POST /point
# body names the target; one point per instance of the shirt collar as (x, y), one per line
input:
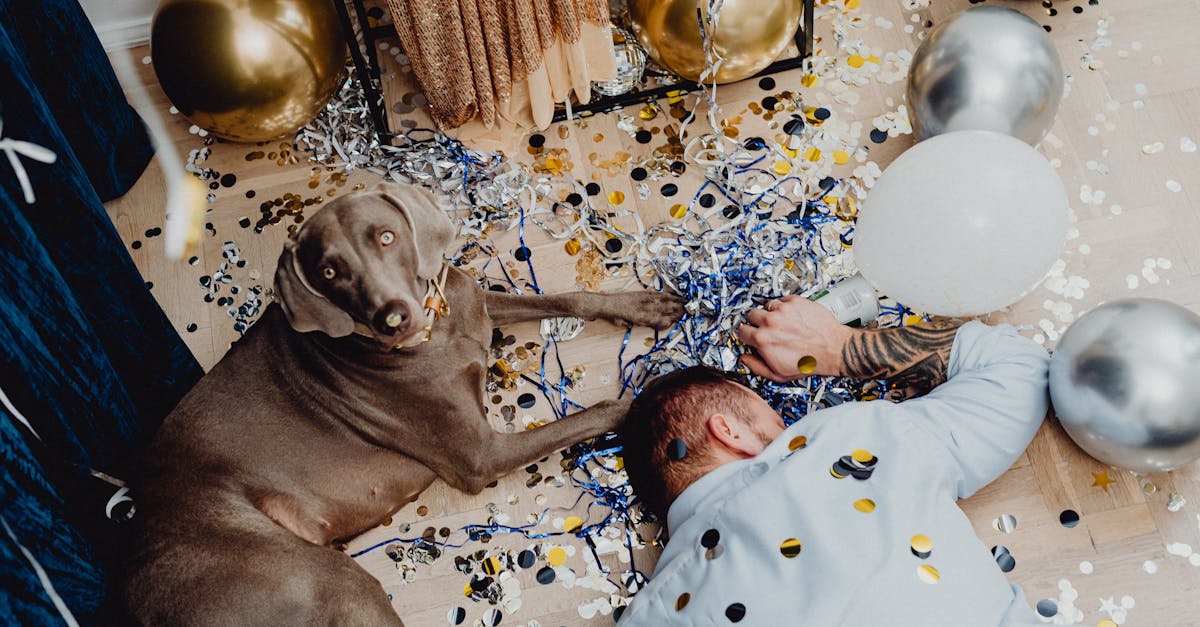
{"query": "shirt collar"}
(694, 495)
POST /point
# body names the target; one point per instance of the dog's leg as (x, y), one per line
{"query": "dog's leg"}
(656, 310)
(507, 451)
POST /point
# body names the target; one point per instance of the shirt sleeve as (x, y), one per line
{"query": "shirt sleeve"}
(991, 405)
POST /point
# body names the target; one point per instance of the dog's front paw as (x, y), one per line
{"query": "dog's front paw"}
(657, 310)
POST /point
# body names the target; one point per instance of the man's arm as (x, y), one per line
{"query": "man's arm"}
(913, 358)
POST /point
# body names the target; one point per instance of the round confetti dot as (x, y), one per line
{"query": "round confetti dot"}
(537, 140)
(809, 80)
(244, 223)
(707, 200)
(572, 524)
(1068, 518)
(921, 546)
(682, 601)
(545, 575)
(865, 506)
(572, 247)
(1106, 623)
(766, 82)
(613, 245)
(797, 443)
(678, 211)
(812, 153)
(841, 157)
(769, 103)
(492, 617)
(928, 574)
(1004, 559)
(735, 612)
(526, 400)
(1047, 608)
(491, 565)
(228, 180)
(731, 211)
(676, 449)
(861, 455)
(575, 199)
(643, 136)
(1086, 567)
(821, 114)
(521, 254)
(1150, 566)
(526, 559)
(670, 189)
(136, 244)
(715, 552)
(678, 168)
(638, 174)
(592, 189)
(556, 556)
(790, 548)
(710, 538)
(422, 510)
(806, 364)
(782, 167)
(191, 328)
(879, 136)
(250, 193)
(456, 616)
(837, 471)
(795, 126)
(755, 144)
(616, 197)
(1006, 523)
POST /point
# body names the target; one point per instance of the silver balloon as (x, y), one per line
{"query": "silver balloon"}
(986, 68)
(1125, 382)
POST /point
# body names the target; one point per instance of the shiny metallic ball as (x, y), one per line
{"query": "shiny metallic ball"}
(986, 68)
(1125, 383)
(631, 62)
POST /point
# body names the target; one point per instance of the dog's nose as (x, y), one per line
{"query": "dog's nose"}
(393, 317)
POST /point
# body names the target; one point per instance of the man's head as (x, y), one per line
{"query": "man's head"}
(685, 424)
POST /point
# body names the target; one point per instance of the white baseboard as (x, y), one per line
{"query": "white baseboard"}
(124, 34)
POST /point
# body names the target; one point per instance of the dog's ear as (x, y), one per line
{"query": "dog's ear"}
(432, 230)
(306, 309)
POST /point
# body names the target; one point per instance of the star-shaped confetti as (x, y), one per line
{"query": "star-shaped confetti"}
(1108, 606)
(1101, 480)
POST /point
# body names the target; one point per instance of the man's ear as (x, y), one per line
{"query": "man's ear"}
(432, 230)
(306, 309)
(734, 435)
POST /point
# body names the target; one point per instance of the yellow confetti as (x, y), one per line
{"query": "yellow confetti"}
(812, 154)
(1101, 480)
(797, 443)
(853, 4)
(841, 157)
(912, 319)
(873, 59)
(492, 565)
(782, 167)
(467, 590)
(556, 556)
(855, 60)
(861, 455)
(572, 524)
(572, 246)
(790, 548)
(788, 264)
(809, 80)
(616, 197)
(865, 506)
(791, 153)
(807, 364)
(921, 545)
(648, 112)
(678, 211)
(682, 601)
(928, 574)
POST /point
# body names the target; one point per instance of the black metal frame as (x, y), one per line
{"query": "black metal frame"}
(368, 71)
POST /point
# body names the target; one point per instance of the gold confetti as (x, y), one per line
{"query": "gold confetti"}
(790, 548)
(807, 364)
(556, 556)
(861, 455)
(841, 157)
(798, 443)
(928, 574)
(572, 524)
(616, 197)
(648, 112)
(680, 603)
(809, 80)
(921, 546)
(855, 61)
(865, 506)
(812, 154)
(782, 167)
(1101, 480)
(572, 246)
(678, 211)
(853, 4)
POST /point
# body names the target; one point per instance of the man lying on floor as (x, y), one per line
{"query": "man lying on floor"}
(847, 517)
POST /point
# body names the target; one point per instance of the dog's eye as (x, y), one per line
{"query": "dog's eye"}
(329, 273)
(387, 237)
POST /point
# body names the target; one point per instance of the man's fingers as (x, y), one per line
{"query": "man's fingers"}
(748, 335)
(756, 317)
(760, 368)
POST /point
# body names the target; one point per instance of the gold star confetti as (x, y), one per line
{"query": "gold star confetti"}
(1101, 480)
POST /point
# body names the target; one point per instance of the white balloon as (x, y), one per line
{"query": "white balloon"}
(962, 224)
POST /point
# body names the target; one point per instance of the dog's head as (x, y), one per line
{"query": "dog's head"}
(367, 257)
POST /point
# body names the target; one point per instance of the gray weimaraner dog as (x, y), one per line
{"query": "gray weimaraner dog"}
(337, 408)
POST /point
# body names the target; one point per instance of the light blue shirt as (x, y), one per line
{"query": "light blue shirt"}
(782, 540)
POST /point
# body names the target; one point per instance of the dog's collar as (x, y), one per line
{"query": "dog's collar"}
(435, 307)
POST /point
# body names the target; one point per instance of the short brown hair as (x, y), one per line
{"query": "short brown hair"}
(674, 406)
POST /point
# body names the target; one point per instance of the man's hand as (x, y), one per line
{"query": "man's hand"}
(795, 337)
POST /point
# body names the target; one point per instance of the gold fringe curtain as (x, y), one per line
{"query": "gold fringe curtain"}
(496, 61)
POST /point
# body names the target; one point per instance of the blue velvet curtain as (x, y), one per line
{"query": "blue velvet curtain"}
(87, 355)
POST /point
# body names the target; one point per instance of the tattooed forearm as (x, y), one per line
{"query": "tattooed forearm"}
(913, 358)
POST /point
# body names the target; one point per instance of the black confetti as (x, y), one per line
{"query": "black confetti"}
(575, 199)
(592, 189)
(521, 254)
(229, 180)
(643, 136)
(766, 82)
(731, 211)
(537, 140)
(821, 114)
(878, 136)
(1068, 518)
(244, 223)
(613, 245)
(710, 538)
(678, 168)
(707, 200)
(670, 189)
(191, 328)
(545, 576)
(638, 174)
(526, 559)
(794, 126)
(769, 103)
(735, 612)
(456, 616)
(250, 193)
(135, 244)
(526, 400)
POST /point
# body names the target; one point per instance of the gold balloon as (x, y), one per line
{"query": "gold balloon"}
(750, 35)
(248, 70)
